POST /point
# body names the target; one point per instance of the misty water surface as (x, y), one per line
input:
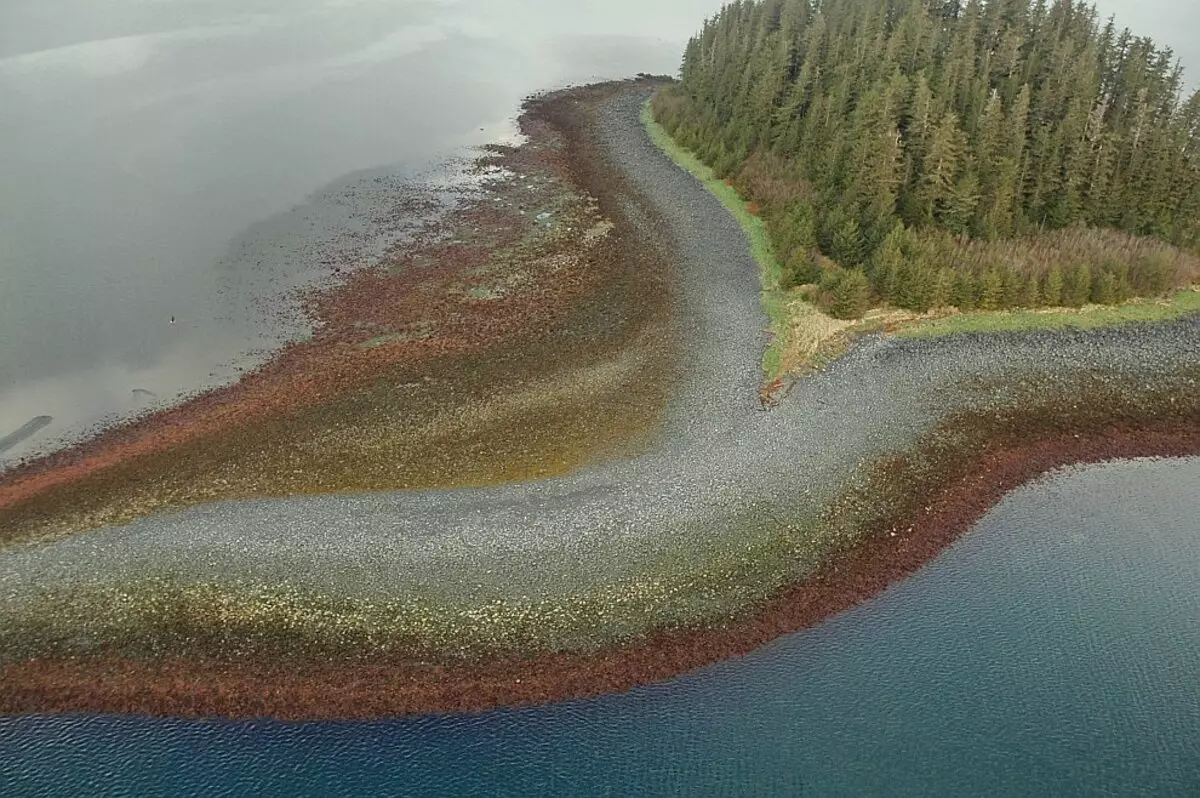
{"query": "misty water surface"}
(194, 159)
(197, 158)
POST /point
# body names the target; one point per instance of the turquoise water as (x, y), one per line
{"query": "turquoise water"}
(1055, 649)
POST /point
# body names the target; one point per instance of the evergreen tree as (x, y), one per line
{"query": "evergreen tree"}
(886, 262)
(987, 119)
(1031, 295)
(851, 294)
(962, 295)
(1052, 287)
(1013, 288)
(1104, 289)
(1077, 285)
(936, 199)
(991, 291)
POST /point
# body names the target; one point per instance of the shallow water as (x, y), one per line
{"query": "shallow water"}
(1054, 649)
(198, 159)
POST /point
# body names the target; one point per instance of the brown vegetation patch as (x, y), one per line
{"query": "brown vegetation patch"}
(382, 688)
(537, 282)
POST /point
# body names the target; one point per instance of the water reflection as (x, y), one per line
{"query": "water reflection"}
(140, 139)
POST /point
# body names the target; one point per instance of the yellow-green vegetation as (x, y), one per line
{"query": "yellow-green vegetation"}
(1088, 317)
(801, 333)
(689, 578)
(774, 301)
(458, 417)
(685, 585)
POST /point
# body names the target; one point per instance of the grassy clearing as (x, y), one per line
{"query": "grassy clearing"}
(774, 300)
(810, 333)
(1086, 318)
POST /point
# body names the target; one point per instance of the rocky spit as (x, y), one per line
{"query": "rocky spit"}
(616, 549)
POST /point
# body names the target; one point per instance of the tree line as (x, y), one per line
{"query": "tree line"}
(896, 148)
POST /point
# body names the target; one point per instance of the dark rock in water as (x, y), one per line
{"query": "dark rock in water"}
(144, 392)
(27, 430)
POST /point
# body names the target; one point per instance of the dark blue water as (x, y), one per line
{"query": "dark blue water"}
(1054, 650)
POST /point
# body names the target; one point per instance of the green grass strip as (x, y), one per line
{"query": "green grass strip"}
(1090, 317)
(756, 231)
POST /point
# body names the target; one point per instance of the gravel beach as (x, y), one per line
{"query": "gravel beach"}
(634, 533)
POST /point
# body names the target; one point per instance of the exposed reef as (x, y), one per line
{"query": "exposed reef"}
(522, 337)
(624, 509)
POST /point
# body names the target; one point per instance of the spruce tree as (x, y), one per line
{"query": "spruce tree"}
(987, 119)
(1031, 296)
(991, 290)
(1077, 285)
(1052, 287)
(851, 294)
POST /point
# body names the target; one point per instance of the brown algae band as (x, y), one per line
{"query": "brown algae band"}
(702, 528)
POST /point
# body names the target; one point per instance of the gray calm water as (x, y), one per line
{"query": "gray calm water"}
(197, 159)
(1054, 650)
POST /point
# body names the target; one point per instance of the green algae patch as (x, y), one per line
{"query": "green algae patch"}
(1090, 317)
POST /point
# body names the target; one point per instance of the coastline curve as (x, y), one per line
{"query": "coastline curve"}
(732, 529)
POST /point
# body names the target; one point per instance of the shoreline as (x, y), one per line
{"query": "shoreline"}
(476, 313)
(378, 690)
(717, 453)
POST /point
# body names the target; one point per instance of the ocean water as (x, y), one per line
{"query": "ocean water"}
(1053, 650)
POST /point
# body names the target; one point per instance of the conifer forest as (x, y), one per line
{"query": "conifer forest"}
(982, 154)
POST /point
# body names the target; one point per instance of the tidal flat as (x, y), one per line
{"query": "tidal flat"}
(531, 462)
